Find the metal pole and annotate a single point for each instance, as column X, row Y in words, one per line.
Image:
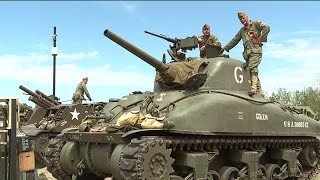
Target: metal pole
column 13, row 141
column 54, row 54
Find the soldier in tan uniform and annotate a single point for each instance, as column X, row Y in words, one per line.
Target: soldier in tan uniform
column 207, row 40
column 81, row 89
column 253, row 33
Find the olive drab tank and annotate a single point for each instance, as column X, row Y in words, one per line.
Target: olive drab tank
column 49, row 118
column 199, row 123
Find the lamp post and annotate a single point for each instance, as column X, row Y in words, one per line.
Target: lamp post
column 54, row 52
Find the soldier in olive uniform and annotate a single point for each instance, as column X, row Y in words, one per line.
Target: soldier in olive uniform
column 81, row 89
column 207, row 40
column 253, row 33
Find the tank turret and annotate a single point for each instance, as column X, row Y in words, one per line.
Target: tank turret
column 175, row 75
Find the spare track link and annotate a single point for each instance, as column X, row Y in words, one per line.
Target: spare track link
column 53, row 157
column 130, row 160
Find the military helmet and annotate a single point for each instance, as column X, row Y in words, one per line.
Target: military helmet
column 85, row 78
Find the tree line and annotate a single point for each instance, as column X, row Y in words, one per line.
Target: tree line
column 307, row 97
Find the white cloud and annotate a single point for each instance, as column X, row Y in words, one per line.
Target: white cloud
column 37, row 68
column 132, row 9
column 294, row 49
column 77, row 56
column 301, row 56
column 129, row 7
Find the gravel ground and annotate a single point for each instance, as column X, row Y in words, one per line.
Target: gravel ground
column 49, row 176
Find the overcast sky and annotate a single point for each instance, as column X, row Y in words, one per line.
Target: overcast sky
column 290, row 57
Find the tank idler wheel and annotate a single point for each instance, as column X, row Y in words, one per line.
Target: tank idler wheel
column 308, row 157
column 213, row 175
column 273, row 172
column 229, row 173
column 262, row 173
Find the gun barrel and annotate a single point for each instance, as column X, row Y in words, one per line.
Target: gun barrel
column 28, row 91
column 36, row 96
column 163, row 37
column 47, row 97
column 37, row 102
column 134, row 50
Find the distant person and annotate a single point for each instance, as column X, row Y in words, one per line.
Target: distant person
column 253, row 33
column 81, row 89
column 207, row 40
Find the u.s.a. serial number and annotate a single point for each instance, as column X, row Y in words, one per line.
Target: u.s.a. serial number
column 295, row 124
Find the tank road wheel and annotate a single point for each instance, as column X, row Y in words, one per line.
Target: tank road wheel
column 308, row 157
column 229, row 173
column 53, row 157
column 213, row 175
column 40, row 144
column 262, row 173
column 273, row 172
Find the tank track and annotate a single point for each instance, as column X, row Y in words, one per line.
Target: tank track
column 53, row 155
column 40, row 143
column 131, row 160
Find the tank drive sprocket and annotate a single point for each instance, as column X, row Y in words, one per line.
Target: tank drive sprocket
column 146, row 159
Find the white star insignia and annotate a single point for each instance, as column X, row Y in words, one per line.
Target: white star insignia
column 75, row 114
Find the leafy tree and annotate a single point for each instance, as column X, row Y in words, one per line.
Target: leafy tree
column 307, row 97
column 23, row 106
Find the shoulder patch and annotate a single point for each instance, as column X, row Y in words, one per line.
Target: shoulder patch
column 262, row 24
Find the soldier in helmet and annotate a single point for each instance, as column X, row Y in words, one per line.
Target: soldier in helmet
column 81, row 89
column 253, row 33
column 207, row 40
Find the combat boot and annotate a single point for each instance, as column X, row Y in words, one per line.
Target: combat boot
column 254, row 83
column 260, row 90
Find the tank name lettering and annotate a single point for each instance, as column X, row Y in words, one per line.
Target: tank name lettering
column 261, row 116
column 240, row 115
column 238, row 77
column 295, row 124
column 161, row 96
column 109, row 138
column 74, row 136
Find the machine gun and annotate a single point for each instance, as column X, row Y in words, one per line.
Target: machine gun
column 188, row 43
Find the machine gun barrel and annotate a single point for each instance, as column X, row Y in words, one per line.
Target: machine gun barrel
column 134, row 50
column 163, row 37
column 37, row 96
column 47, row 97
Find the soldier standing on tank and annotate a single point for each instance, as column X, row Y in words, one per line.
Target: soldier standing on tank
column 81, row 89
column 207, row 39
column 253, row 33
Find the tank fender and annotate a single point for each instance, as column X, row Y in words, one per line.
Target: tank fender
column 140, row 131
column 67, row 130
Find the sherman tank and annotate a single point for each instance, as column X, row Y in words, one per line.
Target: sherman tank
column 49, row 118
column 198, row 123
